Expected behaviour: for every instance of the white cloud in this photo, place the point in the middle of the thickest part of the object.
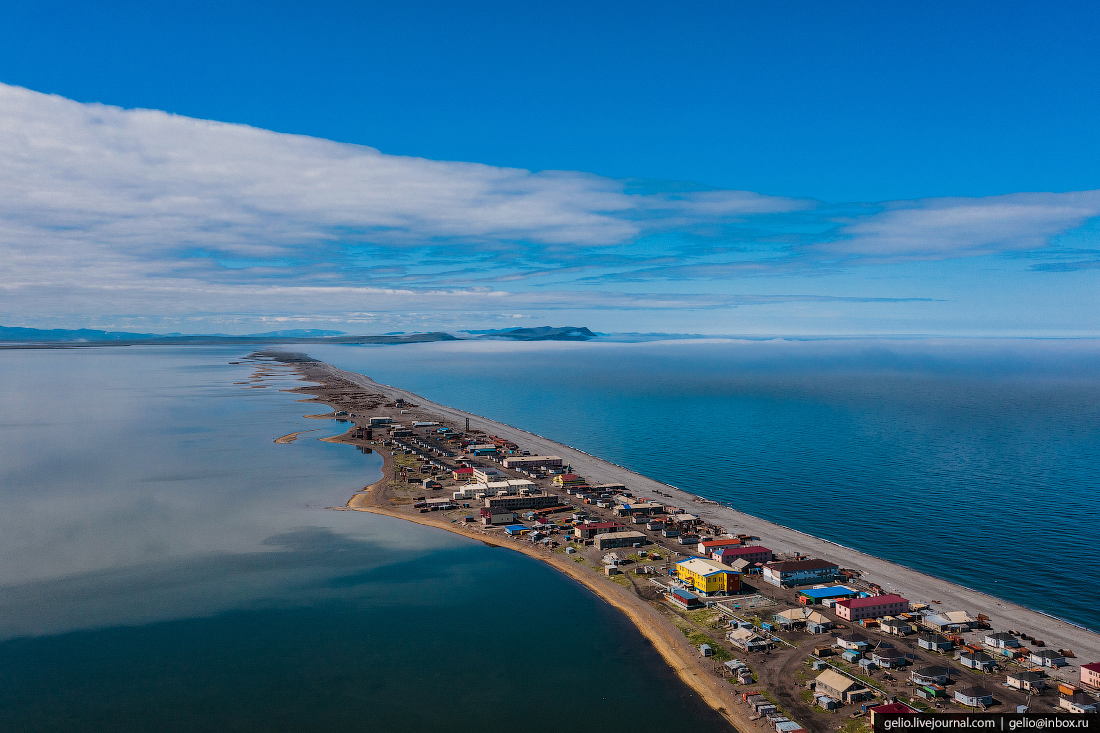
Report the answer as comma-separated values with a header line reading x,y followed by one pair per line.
x,y
950,228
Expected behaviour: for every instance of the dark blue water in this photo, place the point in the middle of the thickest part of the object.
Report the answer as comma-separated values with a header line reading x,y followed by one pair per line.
x,y
165,566
977,461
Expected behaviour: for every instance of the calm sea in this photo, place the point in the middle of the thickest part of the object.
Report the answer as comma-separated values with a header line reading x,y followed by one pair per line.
x,y
165,566
977,461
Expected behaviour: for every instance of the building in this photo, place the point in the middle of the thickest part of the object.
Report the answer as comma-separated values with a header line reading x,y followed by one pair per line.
x,y
707,576
839,686
589,530
1090,674
797,616
610,540
896,626
893,708
977,660
485,475
1028,681
706,547
491,519
1048,658
811,596
889,658
933,675
376,421
727,555
1078,702
526,463
853,642
748,640
530,501
935,642
1002,640
952,621
569,480
684,599
463,473
854,609
517,529
791,573
974,697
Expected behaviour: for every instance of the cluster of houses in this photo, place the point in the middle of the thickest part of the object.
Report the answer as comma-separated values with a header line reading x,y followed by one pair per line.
x,y
719,572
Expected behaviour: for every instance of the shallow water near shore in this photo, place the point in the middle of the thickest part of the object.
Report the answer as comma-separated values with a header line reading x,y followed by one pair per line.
x,y
974,461
164,565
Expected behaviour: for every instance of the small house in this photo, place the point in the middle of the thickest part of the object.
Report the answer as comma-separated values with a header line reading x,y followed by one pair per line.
x,y
974,697
1048,658
839,686
933,675
857,642
977,660
1078,702
1027,681
1090,674
935,642
896,626
1002,640
748,640
706,650
889,658
852,656
683,599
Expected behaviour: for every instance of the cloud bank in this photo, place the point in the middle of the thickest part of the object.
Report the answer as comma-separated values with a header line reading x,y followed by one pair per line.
x,y
111,211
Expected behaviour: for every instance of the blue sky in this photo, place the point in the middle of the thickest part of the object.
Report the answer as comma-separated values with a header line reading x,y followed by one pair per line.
x,y
787,168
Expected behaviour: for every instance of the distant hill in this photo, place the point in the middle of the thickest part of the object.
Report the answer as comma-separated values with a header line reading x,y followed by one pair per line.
x,y
16,337
297,333
13,333
542,333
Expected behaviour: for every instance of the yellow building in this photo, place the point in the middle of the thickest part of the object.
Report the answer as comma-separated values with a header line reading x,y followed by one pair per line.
x,y
708,577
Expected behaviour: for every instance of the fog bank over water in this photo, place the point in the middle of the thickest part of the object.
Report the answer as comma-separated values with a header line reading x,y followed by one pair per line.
x,y
164,565
944,455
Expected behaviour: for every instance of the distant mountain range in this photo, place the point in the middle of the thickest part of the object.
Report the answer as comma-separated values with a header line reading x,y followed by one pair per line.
x,y
12,333
541,333
16,337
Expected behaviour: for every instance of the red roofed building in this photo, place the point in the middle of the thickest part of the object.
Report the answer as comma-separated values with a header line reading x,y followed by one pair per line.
x,y
854,609
755,553
588,531
463,473
893,708
708,546
1090,675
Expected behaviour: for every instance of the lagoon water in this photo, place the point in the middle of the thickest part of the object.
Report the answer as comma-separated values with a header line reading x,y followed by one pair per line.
x,y
977,461
164,565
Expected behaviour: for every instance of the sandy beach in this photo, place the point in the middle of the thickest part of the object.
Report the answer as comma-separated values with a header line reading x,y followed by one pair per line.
x,y
914,585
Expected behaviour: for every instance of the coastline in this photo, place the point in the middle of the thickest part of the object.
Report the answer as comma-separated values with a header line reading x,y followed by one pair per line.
x,y
673,647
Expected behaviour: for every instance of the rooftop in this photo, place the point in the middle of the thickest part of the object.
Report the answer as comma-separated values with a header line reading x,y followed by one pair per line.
x,y
871,601
790,566
703,567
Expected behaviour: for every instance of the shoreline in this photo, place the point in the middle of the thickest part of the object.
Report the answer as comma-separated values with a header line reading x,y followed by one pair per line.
x,y
914,584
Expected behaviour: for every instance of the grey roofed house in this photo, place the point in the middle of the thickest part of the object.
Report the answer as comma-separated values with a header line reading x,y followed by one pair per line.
x,y
1026,680
974,696
934,642
931,675
896,626
852,641
977,660
888,658
1002,639
1048,658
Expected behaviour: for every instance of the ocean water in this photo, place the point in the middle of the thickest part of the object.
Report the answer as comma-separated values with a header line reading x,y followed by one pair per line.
x,y
164,565
976,461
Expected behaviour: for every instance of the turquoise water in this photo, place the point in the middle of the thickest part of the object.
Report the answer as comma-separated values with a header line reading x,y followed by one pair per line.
x,y
164,565
977,461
